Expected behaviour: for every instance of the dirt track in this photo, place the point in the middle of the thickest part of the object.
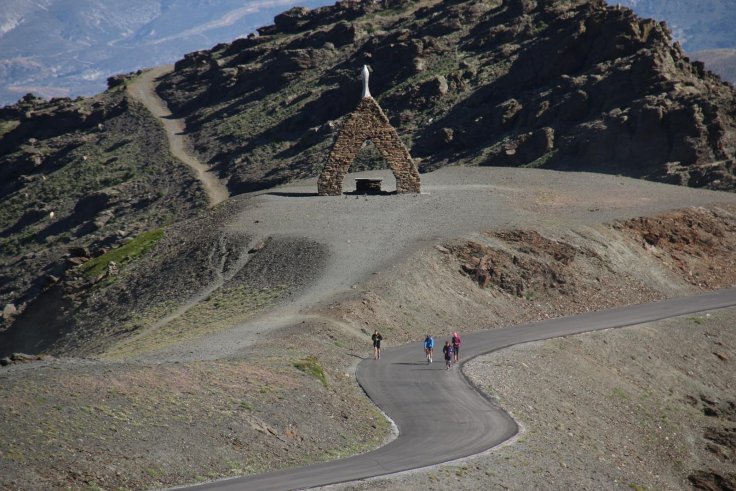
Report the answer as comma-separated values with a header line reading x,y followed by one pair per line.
x,y
142,89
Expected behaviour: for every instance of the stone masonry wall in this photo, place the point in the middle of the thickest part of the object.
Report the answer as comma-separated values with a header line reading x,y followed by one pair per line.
x,y
368,122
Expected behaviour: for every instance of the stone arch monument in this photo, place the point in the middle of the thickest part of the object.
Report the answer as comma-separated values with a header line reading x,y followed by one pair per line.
x,y
367,122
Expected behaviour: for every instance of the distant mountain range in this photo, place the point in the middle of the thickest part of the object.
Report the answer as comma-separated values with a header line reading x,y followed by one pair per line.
x,y
70,47
697,24
704,28
720,61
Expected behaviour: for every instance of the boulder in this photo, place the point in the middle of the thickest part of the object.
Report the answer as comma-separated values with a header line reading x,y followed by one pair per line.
x,y
292,20
79,251
506,113
435,87
343,33
519,7
9,311
76,261
116,81
194,59
574,106
102,219
297,60
93,203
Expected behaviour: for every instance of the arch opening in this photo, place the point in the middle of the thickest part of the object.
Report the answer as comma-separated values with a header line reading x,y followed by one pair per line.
x,y
368,123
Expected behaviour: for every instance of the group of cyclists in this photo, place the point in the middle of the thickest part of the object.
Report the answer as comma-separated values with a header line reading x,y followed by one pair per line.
x,y
451,349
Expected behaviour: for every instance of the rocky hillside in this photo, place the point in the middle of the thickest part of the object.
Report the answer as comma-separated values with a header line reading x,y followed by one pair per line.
x,y
77,178
560,85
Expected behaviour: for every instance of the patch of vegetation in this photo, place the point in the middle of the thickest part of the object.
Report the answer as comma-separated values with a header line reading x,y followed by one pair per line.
x,y
541,161
619,393
7,126
123,254
311,366
245,405
539,27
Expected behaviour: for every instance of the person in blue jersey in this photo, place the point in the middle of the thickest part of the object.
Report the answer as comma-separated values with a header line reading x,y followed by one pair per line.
x,y
428,347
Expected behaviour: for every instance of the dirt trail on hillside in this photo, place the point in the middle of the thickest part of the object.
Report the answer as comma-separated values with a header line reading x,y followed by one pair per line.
x,y
142,88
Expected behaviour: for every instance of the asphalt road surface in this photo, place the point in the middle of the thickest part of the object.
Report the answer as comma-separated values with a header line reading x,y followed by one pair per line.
x,y
440,415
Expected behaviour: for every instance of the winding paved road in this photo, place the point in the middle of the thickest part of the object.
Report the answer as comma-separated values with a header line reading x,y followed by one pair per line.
x,y
142,88
440,416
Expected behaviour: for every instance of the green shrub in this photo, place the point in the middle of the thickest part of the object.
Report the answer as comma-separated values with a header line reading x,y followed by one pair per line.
x,y
123,254
310,366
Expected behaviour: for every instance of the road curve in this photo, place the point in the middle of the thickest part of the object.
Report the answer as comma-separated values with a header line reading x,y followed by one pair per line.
x,y
440,416
142,89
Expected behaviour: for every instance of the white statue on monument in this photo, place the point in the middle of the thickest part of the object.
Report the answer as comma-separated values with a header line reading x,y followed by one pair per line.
x,y
364,76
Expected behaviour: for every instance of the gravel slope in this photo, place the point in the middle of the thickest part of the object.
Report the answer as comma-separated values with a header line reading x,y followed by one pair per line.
x,y
369,234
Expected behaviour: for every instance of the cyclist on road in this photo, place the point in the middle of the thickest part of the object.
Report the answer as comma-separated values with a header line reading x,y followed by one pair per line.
x,y
428,347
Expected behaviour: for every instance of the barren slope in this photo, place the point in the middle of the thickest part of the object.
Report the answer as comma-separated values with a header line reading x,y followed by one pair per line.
x,y
364,235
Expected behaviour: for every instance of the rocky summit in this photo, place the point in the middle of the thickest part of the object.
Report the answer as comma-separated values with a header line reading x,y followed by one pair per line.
x,y
560,85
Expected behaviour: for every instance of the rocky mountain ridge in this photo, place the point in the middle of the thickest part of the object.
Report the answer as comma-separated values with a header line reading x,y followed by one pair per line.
x,y
702,28
573,86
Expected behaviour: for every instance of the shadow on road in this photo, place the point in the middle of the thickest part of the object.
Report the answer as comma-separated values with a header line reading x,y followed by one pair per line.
x,y
292,194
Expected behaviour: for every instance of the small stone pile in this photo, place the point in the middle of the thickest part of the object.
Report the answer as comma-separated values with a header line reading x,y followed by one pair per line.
x,y
368,122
